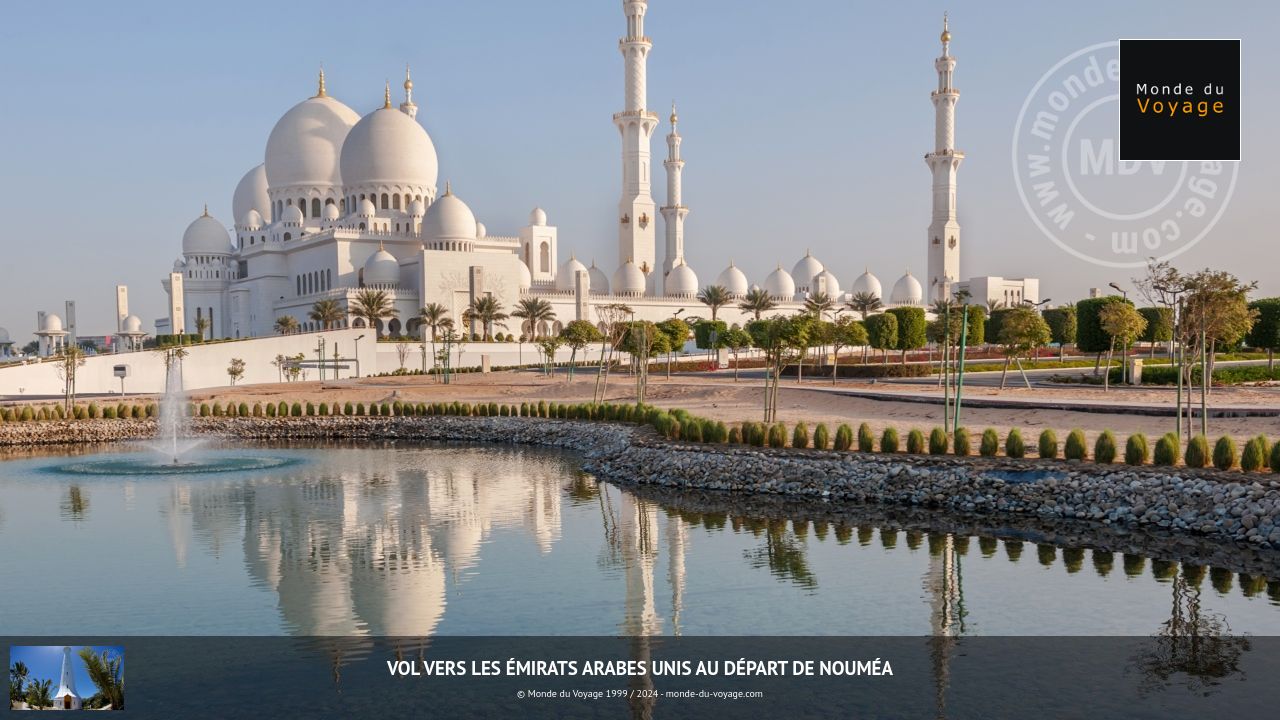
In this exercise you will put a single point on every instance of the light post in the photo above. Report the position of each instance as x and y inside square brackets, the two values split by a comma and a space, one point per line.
[1124, 351]
[1175, 305]
[320, 356]
[358, 339]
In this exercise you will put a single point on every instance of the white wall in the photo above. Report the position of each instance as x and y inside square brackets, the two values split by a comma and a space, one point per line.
[500, 355]
[204, 367]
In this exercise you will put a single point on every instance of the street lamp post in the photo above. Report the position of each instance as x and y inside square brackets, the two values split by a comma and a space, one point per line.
[358, 339]
[1124, 351]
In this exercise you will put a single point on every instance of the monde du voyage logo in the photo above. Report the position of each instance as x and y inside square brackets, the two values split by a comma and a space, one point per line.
[1126, 150]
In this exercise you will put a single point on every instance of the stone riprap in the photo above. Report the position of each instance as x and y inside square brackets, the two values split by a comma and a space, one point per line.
[1224, 506]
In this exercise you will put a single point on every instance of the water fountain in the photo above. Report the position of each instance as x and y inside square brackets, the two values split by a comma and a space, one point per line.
[173, 445]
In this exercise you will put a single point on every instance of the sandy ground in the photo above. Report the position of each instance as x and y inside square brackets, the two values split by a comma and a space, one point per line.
[812, 401]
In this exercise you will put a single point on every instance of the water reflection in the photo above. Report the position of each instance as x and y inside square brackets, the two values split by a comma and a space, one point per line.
[75, 505]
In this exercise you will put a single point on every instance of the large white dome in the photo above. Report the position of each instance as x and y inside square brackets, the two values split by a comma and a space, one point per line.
[628, 280]
[599, 281]
[526, 277]
[733, 280]
[206, 236]
[449, 218]
[52, 324]
[907, 291]
[305, 145]
[833, 284]
[682, 282]
[381, 269]
[251, 194]
[389, 148]
[805, 270]
[133, 324]
[779, 285]
[568, 274]
[868, 283]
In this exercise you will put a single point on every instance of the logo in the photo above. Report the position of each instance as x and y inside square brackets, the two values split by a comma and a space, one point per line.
[1110, 212]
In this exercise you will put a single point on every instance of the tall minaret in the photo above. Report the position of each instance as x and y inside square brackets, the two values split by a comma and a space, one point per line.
[944, 161]
[674, 212]
[636, 221]
[407, 107]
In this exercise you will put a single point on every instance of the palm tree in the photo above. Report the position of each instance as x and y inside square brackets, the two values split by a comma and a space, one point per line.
[714, 297]
[202, 326]
[286, 324]
[326, 312]
[374, 306]
[107, 672]
[432, 316]
[40, 694]
[18, 675]
[819, 304]
[488, 312]
[864, 303]
[533, 312]
[757, 302]
[993, 304]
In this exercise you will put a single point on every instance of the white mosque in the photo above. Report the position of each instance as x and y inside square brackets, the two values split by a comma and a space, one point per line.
[343, 202]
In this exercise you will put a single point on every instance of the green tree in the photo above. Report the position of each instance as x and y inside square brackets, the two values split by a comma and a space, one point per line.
[845, 332]
[1216, 314]
[235, 370]
[1265, 333]
[69, 360]
[864, 303]
[18, 674]
[487, 311]
[432, 316]
[1159, 326]
[577, 335]
[106, 670]
[912, 329]
[1122, 323]
[736, 340]
[1062, 326]
[818, 305]
[374, 306]
[40, 694]
[202, 327]
[677, 332]
[882, 332]
[286, 325]
[326, 313]
[757, 302]
[1022, 332]
[714, 297]
[1090, 337]
[780, 339]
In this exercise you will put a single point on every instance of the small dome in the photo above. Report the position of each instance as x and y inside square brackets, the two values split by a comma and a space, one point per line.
[305, 144]
[417, 208]
[868, 283]
[733, 280]
[907, 291]
[568, 274]
[599, 281]
[628, 280]
[526, 277]
[179, 264]
[538, 217]
[381, 269]
[481, 230]
[805, 270]
[206, 236]
[52, 324]
[251, 194]
[682, 282]
[449, 218]
[292, 215]
[779, 285]
[387, 147]
[331, 212]
[251, 220]
[367, 208]
[833, 285]
[133, 324]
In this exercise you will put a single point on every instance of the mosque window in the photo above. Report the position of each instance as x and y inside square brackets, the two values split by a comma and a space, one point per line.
[362, 226]
[289, 202]
[395, 202]
[328, 282]
[288, 237]
[385, 201]
[544, 258]
[315, 207]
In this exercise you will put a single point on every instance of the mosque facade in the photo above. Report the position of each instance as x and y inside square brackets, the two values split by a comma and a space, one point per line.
[344, 203]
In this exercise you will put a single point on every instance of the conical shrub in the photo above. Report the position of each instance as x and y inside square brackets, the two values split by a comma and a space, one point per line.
[1197, 452]
[1135, 450]
[989, 446]
[1104, 449]
[1254, 457]
[1047, 447]
[1014, 446]
[821, 437]
[844, 438]
[800, 436]
[1166, 452]
[778, 436]
[915, 442]
[866, 439]
[1075, 448]
[961, 443]
[889, 441]
[938, 441]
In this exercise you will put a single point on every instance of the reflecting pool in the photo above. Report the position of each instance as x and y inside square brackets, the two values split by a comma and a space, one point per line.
[411, 540]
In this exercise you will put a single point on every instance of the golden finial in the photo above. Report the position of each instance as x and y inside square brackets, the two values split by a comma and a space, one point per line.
[408, 81]
[448, 187]
[386, 96]
[206, 210]
[946, 33]
[674, 118]
[320, 92]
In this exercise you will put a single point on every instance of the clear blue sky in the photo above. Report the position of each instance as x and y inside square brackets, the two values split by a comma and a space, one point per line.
[804, 126]
[45, 663]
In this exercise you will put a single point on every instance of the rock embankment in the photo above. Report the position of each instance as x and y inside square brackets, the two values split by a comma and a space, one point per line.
[1228, 507]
